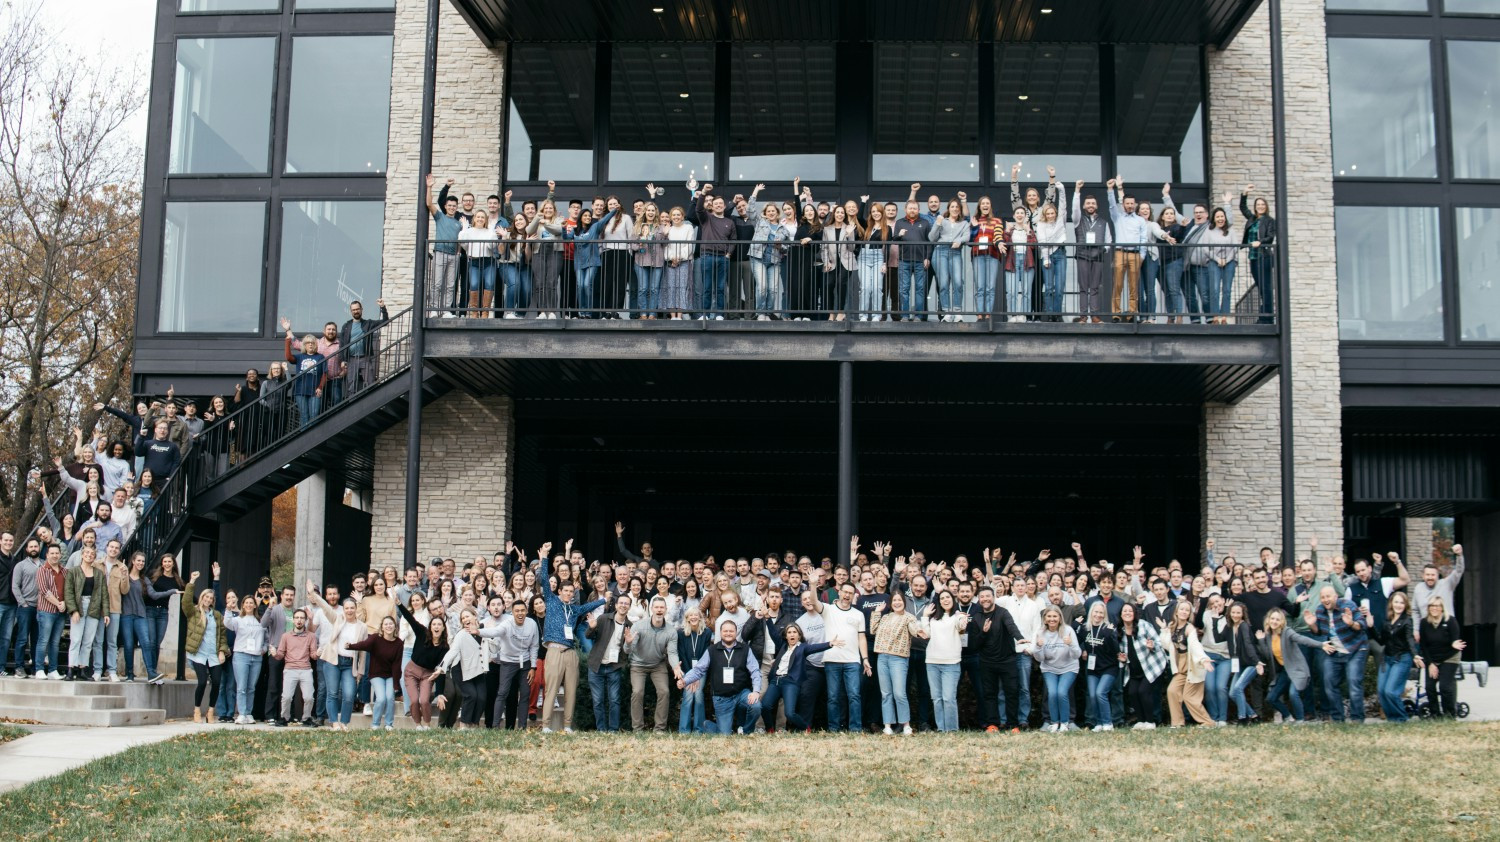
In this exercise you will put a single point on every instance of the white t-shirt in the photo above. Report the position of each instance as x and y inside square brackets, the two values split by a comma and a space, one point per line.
[847, 625]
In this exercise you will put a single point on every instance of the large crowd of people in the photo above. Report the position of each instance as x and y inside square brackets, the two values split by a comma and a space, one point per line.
[872, 641]
[795, 257]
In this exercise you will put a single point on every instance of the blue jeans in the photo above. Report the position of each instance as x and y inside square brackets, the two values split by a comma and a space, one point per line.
[648, 289]
[509, 284]
[246, 673]
[725, 708]
[1283, 686]
[228, 699]
[1098, 711]
[1150, 271]
[1224, 282]
[604, 687]
[583, 284]
[871, 269]
[1059, 696]
[948, 265]
[784, 690]
[383, 699]
[912, 296]
[7, 626]
[767, 278]
[1195, 287]
[339, 679]
[986, 269]
[891, 672]
[25, 616]
[106, 644]
[1393, 684]
[1054, 279]
[333, 395]
[693, 716]
[1237, 692]
[523, 284]
[307, 409]
[715, 268]
[1352, 667]
[1175, 302]
[1263, 270]
[1312, 702]
[137, 632]
[1017, 292]
[843, 685]
[1023, 679]
[1216, 688]
[943, 679]
[49, 634]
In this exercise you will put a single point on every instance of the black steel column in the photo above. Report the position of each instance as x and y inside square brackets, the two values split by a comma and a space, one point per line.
[846, 457]
[1283, 289]
[419, 294]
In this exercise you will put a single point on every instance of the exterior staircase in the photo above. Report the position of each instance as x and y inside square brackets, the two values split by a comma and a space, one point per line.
[98, 703]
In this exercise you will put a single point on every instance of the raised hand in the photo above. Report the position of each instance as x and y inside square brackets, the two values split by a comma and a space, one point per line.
[193, 578]
[215, 567]
[568, 547]
[1249, 188]
[1015, 170]
[546, 549]
[1078, 186]
[1051, 172]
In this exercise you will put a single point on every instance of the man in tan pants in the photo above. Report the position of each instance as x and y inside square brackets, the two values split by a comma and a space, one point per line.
[559, 635]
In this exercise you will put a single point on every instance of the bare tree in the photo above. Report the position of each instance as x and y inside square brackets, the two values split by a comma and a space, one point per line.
[69, 232]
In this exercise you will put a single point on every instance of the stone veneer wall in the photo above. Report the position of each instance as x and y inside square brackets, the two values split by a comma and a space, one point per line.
[1241, 482]
[467, 129]
[467, 480]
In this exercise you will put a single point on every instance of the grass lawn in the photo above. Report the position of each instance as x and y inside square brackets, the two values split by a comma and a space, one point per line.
[1419, 781]
[11, 732]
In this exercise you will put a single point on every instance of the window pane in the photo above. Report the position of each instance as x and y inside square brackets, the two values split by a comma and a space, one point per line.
[1472, 98]
[926, 113]
[1047, 111]
[1381, 92]
[221, 108]
[551, 134]
[1159, 114]
[1471, 7]
[1389, 283]
[1377, 5]
[340, 105]
[661, 116]
[211, 259]
[1478, 271]
[230, 6]
[781, 113]
[330, 256]
[315, 5]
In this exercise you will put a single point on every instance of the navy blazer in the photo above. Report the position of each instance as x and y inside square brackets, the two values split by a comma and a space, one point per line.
[799, 661]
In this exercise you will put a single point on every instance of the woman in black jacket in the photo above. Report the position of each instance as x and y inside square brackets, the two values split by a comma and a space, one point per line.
[1260, 236]
[1400, 653]
[1101, 662]
[1244, 660]
[1441, 646]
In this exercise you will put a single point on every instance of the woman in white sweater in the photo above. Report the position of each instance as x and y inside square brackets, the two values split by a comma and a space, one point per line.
[1189, 665]
[944, 625]
[467, 653]
[1057, 652]
[249, 646]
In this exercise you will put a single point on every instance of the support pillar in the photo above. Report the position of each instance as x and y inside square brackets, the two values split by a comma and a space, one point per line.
[312, 526]
[848, 513]
[1283, 286]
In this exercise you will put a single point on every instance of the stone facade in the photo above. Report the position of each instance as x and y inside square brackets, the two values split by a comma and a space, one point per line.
[1241, 485]
[467, 129]
[1419, 544]
[467, 480]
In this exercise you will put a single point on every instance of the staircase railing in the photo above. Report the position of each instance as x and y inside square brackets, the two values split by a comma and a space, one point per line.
[282, 410]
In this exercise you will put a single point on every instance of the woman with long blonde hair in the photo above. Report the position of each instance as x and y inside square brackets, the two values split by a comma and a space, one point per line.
[546, 265]
[650, 231]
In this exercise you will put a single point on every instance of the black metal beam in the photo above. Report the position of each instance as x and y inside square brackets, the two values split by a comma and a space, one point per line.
[847, 502]
[419, 290]
[1283, 287]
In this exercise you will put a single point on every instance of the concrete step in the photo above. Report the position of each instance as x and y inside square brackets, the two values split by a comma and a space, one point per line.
[45, 700]
[60, 688]
[95, 718]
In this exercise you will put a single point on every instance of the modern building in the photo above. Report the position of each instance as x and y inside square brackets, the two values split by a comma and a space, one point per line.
[289, 138]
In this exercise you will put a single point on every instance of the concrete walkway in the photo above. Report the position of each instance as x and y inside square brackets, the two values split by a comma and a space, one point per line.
[54, 749]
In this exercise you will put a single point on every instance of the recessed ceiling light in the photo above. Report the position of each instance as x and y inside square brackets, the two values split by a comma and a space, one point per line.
[1036, 108]
[755, 55]
[1046, 11]
[1022, 97]
[683, 95]
[659, 10]
[954, 55]
[949, 108]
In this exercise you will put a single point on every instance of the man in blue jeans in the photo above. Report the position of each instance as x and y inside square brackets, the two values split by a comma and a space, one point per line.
[844, 665]
[916, 259]
[8, 561]
[1347, 648]
[733, 674]
[607, 659]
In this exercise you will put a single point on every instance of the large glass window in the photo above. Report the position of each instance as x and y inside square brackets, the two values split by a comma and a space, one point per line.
[1478, 235]
[211, 261]
[661, 114]
[1376, 5]
[1159, 114]
[781, 113]
[330, 256]
[1474, 102]
[221, 106]
[1047, 111]
[335, 5]
[926, 113]
[1381, 93]
[1390, 286]
[339, 116]
[551, 133]
[230, 6]
[1471, 7]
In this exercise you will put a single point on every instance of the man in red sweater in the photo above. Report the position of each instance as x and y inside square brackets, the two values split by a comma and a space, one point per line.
[298, 649]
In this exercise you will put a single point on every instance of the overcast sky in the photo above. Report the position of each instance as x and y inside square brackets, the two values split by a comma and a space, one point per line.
[115, 31]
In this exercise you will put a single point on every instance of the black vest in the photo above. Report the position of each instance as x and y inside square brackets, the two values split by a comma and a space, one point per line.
[718, 660]
[1375, 593]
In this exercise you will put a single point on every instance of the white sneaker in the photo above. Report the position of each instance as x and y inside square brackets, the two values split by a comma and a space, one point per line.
[369, 710]
[54, 676]
[510, 315]
[567, 730]
[762, 318]
[887, 731]
[390, 727]
[98, 676]
[718, 318]
[546, 730]
[1108, 726]
[1071, 727]
[1145, 726]
[906, 730]
[41, 675]
[114, 678]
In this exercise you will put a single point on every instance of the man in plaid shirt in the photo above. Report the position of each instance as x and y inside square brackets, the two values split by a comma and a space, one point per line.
[1345, 629]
